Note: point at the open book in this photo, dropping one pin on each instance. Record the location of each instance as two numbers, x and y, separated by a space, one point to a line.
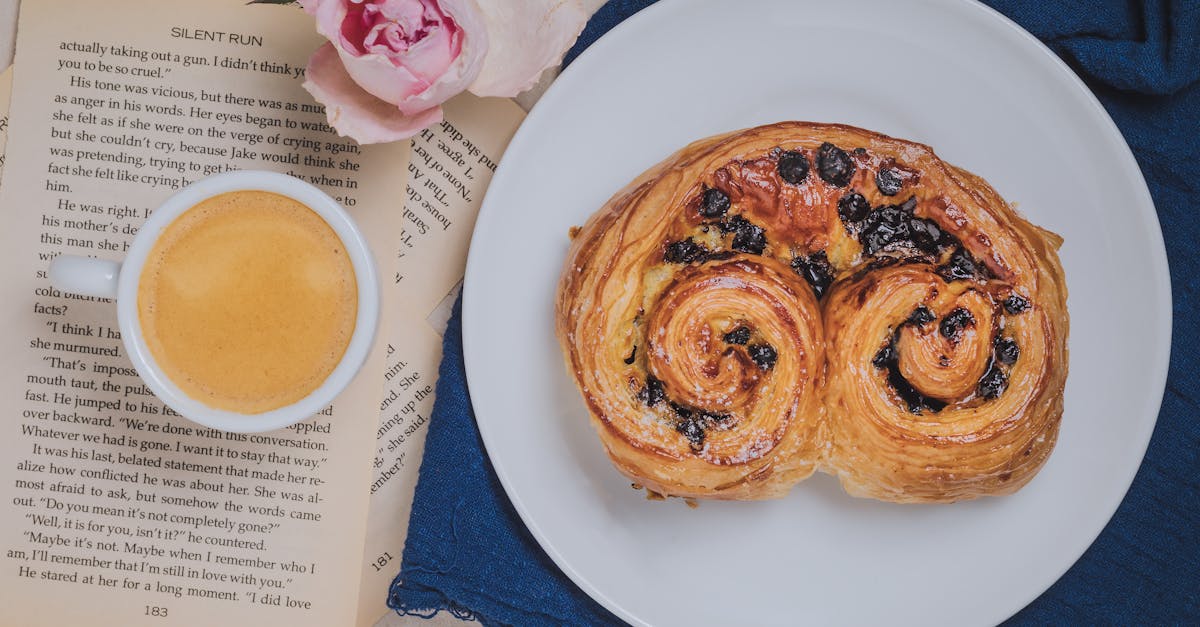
118 511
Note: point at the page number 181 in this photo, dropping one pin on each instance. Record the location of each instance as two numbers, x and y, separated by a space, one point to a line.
381 561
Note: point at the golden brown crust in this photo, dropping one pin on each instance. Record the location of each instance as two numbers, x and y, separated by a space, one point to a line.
711 370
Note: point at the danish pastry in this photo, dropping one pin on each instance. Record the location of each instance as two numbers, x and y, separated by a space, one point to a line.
799 297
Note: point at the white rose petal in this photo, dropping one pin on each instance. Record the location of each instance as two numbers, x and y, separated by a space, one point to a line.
524 38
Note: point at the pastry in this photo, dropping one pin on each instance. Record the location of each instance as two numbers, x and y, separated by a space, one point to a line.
799 297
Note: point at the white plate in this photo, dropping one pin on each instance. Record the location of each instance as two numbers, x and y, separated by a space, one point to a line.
955 75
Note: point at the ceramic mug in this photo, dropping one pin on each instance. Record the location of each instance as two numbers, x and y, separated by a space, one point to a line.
119 281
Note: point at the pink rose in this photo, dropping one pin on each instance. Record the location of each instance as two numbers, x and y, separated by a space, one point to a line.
390 64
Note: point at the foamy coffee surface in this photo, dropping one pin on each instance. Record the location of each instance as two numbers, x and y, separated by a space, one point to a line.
248 301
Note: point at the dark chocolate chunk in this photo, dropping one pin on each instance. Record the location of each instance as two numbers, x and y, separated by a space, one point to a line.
885 226
816 270
888 181
747 236
739 336
947 240
876 237
1007 350
714 204
732 224
712 417
960 266
693 430
752 241
653 393
993 383
764 355
921 316
887 359
681 411
631 357
1015 304
952 325
834 165
685 251
793 167
853 207
916 401
892 214
925 235
885 356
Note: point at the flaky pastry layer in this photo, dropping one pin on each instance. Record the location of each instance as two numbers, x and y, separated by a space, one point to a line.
799 297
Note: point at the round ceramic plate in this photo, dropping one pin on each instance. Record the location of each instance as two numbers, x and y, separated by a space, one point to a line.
955 75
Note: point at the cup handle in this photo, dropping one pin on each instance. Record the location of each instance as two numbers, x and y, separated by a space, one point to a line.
85 276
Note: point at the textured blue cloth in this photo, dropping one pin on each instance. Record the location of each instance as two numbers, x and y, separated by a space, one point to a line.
469 553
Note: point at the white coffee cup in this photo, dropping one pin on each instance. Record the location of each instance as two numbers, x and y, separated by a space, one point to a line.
119 281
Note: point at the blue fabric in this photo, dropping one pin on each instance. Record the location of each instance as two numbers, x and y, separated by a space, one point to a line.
468 552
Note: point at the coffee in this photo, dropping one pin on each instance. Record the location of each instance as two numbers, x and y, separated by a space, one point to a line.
247 301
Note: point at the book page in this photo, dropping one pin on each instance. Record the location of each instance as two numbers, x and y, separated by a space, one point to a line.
5 94
8 32
120 512
450 168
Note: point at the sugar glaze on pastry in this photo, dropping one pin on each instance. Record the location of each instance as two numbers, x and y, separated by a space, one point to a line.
799 297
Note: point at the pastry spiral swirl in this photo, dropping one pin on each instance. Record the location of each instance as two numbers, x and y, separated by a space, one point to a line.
800 297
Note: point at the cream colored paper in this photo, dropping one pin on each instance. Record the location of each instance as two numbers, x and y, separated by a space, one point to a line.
475 131
119 513
5 95
450 168
8 31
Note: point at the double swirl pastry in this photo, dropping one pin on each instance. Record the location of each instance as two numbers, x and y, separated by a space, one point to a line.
800 297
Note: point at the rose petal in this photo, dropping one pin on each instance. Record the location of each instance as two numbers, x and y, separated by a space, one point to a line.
433 55
401 78
525 38
328 15
378 76
407 12
355 113
466 66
